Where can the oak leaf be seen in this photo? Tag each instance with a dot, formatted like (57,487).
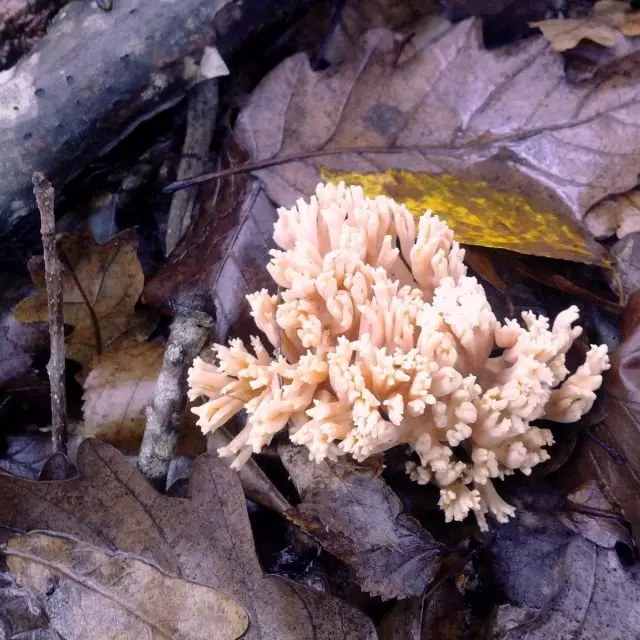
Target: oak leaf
(608,21)
(206,539)
(90,593)
(101,286)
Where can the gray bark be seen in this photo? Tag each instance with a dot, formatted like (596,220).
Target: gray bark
(96,75)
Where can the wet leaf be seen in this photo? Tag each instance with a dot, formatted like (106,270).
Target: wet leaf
(101,286)
(90,593)
(559,584)
(447,106)
(205,539)
(117,390)
(353,514)
(608,21)
(481,214)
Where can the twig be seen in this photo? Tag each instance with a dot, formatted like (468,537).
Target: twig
(294,157)
(44,194)
(187,336)
(201,119)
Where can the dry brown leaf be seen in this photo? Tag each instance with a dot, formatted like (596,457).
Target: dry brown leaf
(609,20)
(351,511)
(88,593)
(619,214)
(447,105)
(239,225)
(111,278)
(117,390)
(205,539)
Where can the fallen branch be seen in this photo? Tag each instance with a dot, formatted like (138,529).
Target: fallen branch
(44,193)
(96,75)
(187,336)
(201,119)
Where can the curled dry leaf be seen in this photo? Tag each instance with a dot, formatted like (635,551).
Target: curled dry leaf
(447,104)
(101,286)
(619,214)
(20,609)
(205,539)
(238,223)
(117,390)
(609,21)
(352,513)
(89,593)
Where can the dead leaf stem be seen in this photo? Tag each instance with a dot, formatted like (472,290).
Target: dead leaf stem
(92,314)
(187,336)
(44,193)
(172,187)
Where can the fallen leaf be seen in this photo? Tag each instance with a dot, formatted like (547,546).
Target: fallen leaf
(205,539)
(447,105)
(613,454)
(482,215)
(101,286)
(238,224)
(116,392)
(90,593)
(596,518)
(619,214)
(560,585)
(608,20)
(25,455)
(353,514)
(21,614)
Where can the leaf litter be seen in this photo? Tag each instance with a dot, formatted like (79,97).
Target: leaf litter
(448,105)
(117,594)
(454,119)
(101,287)
(351,512)
(205,539)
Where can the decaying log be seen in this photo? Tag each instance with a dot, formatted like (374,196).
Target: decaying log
(97,74)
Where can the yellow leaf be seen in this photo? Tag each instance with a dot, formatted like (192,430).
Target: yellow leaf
(101,286)
(482,215)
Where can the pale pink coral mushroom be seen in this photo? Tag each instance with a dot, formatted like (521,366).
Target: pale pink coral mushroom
(381,339)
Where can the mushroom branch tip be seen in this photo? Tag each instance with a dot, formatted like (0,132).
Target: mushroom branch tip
(379,338)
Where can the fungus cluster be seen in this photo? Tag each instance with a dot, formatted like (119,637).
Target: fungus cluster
(379,338)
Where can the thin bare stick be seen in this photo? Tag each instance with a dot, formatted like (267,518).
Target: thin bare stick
(44,193)
(188,333)
(294,157)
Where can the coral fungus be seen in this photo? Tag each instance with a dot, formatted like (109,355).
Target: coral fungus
(380,339)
